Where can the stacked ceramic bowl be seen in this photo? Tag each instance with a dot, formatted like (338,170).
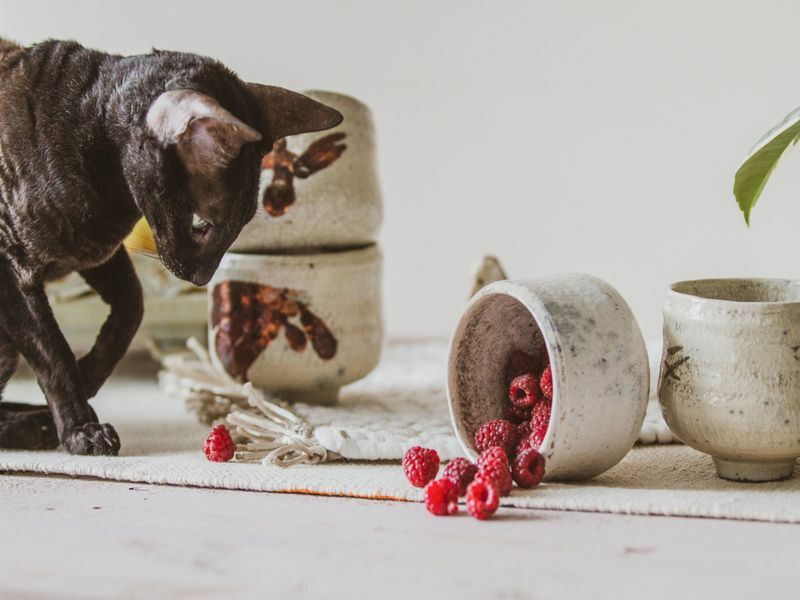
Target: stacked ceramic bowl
(296,304)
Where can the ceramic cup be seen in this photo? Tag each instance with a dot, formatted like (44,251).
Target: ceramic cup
(319,190)
(299,326)
(597,354)
(730,373)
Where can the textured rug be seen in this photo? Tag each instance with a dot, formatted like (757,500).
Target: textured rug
(401,404)
(162,441)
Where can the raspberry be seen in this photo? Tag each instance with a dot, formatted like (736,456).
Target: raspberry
(526,443)
(496,471)
(420,465)
(546,383)
(524,390)
(524,437)
(516,414)
(497,432)
(495,453)
(540,417)
(461,472)
(482,499)
(519,362)
(219,446)
(528,468)
(441,497)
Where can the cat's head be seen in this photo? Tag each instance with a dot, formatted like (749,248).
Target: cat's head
(203,184)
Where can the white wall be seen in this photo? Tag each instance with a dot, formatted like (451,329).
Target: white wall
(562,136)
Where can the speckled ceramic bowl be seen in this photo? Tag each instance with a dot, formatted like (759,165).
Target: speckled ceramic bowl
(319,190)
(299,326)
(730,373)
(599,361)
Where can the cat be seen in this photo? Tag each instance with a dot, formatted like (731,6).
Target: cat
(89,143)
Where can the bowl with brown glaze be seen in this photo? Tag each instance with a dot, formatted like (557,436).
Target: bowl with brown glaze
(297,325)
(596,352)
(319,190)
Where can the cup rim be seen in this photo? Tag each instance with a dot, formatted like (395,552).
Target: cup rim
(341,97)
(675,291)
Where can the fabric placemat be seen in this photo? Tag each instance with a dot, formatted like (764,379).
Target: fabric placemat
(161,444)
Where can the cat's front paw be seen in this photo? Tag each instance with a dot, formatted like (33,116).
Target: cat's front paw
(97,439)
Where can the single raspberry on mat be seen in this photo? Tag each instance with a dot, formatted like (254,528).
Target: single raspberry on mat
(420,465)
(516,414)
(441,497)
(528,468)
(482,499)
(498,472)
(461,472)
(219,446)
(546,383)
(495,453)
(524,390)
(497,432)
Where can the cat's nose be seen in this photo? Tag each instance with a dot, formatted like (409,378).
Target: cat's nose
(202,276)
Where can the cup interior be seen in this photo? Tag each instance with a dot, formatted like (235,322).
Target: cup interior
(493,326)
(742,290)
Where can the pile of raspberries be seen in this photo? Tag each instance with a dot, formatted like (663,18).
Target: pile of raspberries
(527,410)
(482,483)
(509,448)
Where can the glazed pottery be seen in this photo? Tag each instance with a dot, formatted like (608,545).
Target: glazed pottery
(299,326)
(730,373)
(598,358)
(319,190)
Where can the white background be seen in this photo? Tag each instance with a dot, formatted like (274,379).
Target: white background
(562,136)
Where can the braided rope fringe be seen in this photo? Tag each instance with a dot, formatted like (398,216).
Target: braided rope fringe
(265,429)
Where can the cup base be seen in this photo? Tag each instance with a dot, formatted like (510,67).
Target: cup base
(753,471)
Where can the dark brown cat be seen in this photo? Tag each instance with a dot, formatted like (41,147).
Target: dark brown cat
(90,142)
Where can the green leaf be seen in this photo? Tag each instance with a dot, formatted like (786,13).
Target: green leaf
(753,173)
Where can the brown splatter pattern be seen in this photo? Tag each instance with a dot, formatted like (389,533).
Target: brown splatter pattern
(285,165)
(249,316)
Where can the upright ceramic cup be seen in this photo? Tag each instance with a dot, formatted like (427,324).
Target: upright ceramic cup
(730,373)
(599,361)
(319,190)
(299,326)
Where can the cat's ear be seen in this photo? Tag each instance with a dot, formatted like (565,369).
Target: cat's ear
(206,135)
(284,112)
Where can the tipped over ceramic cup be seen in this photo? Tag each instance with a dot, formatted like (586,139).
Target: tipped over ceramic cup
(597,356)
(730,373)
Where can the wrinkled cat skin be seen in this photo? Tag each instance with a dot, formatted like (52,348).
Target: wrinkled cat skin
(90,142)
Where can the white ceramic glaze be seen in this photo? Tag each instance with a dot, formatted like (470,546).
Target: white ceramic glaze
(341,289)
(730,373)
(598,357)
(337,206)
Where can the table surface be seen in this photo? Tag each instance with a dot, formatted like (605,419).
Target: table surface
(72,538)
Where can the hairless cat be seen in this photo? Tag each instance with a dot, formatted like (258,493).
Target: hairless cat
(89,143)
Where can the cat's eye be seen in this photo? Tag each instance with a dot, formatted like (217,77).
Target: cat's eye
(199,225)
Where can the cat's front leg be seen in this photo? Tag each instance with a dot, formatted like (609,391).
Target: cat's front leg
(117,284)
(27,320)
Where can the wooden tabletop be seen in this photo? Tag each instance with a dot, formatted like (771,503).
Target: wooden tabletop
(69,538)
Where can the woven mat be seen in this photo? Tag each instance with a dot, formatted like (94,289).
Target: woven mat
(401,404)
(161,444)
